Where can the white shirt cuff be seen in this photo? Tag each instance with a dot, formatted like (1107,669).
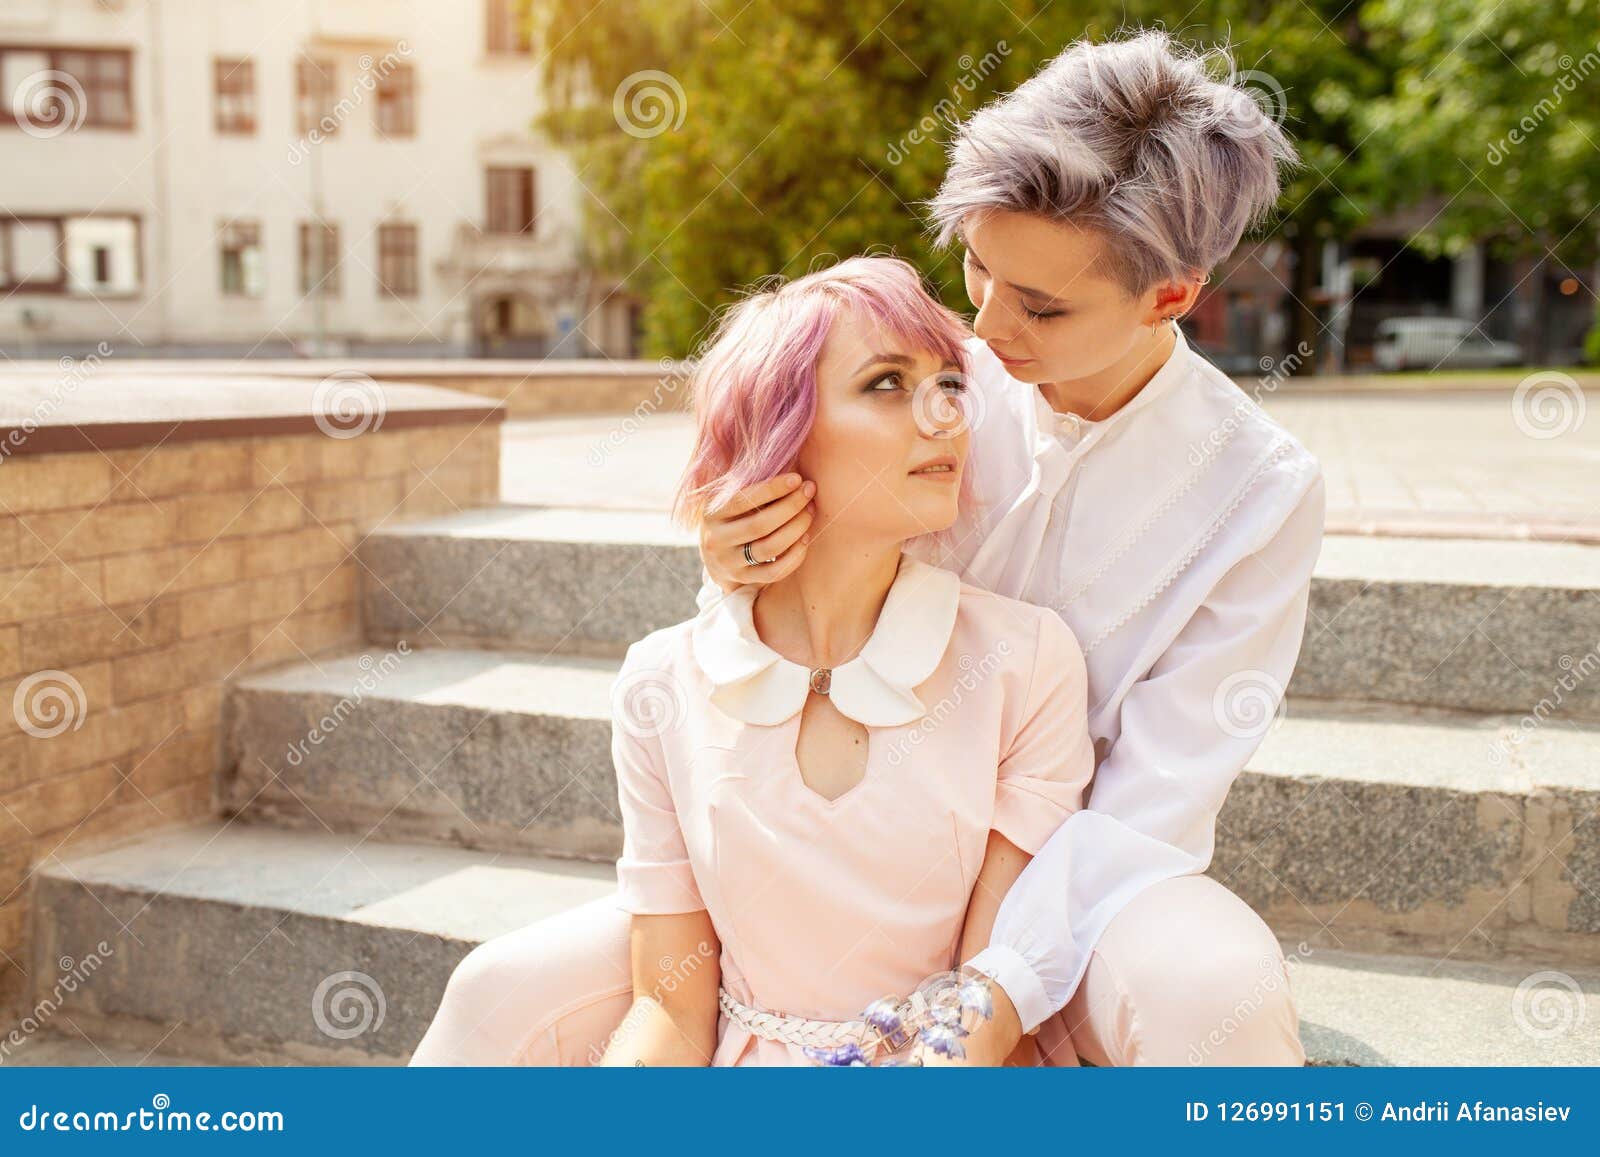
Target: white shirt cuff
(1005,966)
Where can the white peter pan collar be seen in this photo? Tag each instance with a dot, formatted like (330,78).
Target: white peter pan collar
(754,684)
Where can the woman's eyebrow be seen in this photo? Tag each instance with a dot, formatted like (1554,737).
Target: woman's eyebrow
(896,360)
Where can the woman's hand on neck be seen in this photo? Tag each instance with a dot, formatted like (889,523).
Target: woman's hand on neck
(824,612)
(1099,397)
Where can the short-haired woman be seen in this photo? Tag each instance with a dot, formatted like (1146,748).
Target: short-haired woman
(1130,487)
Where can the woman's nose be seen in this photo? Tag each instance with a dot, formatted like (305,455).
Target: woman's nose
(994,321)
(940,414)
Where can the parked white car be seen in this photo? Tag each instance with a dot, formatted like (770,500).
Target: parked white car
(1408,343)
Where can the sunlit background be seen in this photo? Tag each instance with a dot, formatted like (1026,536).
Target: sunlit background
(486,178)
(342,350)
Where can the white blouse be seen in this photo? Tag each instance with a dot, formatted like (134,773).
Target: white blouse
(1177,539)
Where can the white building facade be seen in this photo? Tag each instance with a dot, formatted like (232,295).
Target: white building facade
(254,177)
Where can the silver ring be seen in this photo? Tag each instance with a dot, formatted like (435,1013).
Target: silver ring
(748,559)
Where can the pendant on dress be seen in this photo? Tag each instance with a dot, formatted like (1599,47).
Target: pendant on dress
(821,679)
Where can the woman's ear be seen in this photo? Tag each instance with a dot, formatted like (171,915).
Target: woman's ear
(1173,299)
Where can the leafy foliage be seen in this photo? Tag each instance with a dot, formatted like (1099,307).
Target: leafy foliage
(813,130)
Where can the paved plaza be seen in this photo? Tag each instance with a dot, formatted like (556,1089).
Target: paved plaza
(1403,463)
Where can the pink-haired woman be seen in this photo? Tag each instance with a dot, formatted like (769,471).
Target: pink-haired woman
(1129,487)
(869,750)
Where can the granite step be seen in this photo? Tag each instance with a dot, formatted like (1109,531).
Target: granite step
(1508,627)
(1371,826)
(245,944)
(249,944)
(533,578)
(486,749)
(1399,829)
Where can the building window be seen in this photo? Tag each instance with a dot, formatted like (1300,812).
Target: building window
(397,260)
(319,258)
(32,249)
(102,256)
(508,31)
(397,104)
(89,256)
(511,207)
(235,96)
(96,91)
(314,80)
(241,258)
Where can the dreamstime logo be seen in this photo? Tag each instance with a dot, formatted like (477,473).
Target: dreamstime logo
(1248,704)
(1573,73)
(1256,101)
(1573,674)
(973,673)
(48,104)
(948,112)
(373,672)
(370,75)
(47,703)
(944,412)
(648,703)
(74,372)
(673,973)
(1272,977)
(74,974)
(1548,404)
(1275,372)
(674,374)
(649,103)
(349,404)
(1548,1004)
(348,1004)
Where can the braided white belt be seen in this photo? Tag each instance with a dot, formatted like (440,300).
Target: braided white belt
(798,1030)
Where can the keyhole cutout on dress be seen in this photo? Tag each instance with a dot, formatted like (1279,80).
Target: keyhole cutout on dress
(831,750)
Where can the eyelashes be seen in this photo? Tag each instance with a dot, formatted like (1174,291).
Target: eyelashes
(947,383)
(971,262)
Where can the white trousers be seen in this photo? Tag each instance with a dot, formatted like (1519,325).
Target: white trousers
(1185,974)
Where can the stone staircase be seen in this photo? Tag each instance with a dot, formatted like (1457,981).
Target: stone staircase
(1431,860)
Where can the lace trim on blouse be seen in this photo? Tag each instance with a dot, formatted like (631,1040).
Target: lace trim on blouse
(1130,537)
(1279,450)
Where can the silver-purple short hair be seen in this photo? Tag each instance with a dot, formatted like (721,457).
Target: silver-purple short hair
(1136,138)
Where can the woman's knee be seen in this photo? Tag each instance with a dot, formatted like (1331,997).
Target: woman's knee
(555,961)
(513,991)
(494,967)
(1205,978)
(1242,1010)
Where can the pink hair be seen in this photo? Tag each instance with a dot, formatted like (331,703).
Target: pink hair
(755,384)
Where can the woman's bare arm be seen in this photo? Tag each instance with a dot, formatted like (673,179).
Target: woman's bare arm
(999,1039)
(676,974)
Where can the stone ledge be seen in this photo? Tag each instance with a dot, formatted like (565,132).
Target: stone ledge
(45,414)
(383,369)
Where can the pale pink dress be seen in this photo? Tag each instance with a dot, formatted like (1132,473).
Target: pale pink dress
(976,713)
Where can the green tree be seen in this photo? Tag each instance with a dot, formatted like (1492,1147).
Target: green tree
(796,130)
(1495,112)
(796,139)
